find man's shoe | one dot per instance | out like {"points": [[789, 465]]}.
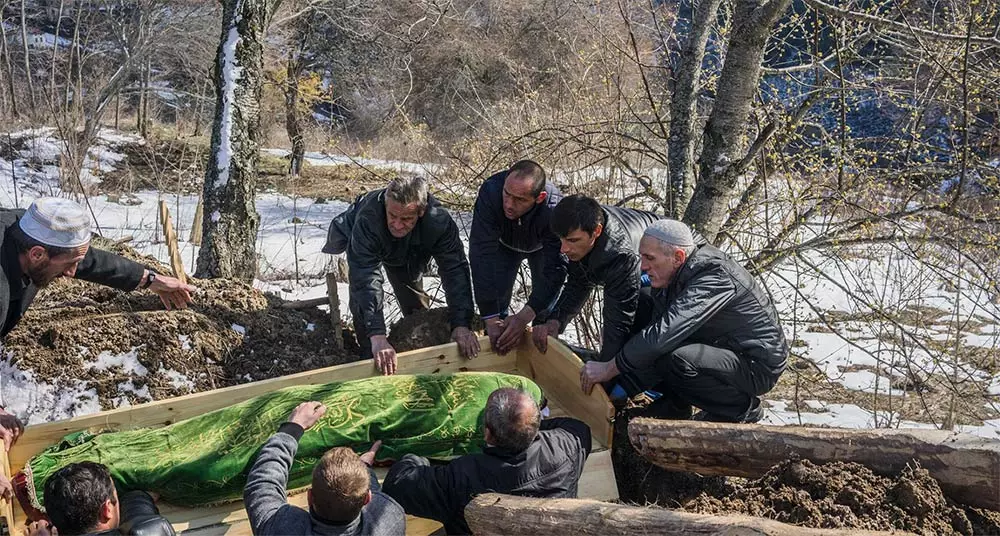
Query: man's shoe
{"points": [[752, 415]]}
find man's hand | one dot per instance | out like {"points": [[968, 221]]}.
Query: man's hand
{"points": [[595, 372], [494, 328], [384, 355], [6, 489], [369, 457], [540, 334], [514, 327], [468, 343], [307, 414], [10, 428], [173, 293], [41, 528]]}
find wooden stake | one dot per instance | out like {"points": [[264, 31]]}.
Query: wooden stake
{"points": [[333, 296], [492, 513], [967, 466], [196, 226], [171, 237]]}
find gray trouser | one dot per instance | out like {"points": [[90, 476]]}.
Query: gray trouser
{"points": [[408, 287]]}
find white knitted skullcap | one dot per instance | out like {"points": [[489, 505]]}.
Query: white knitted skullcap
{"points": [[671, 232], [57, 222]]}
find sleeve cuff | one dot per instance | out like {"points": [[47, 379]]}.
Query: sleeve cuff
{"points": [[292, 429]]}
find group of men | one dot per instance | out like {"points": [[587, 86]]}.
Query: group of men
{"points": [[702, 332], [683, 325]]}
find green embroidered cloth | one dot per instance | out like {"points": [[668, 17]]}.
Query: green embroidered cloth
{"points": [[206, 459]]}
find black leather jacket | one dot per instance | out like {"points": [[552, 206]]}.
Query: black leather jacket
{"points": [[550, 467], [139, 517], [362, 230], [614, 264], [491, 230], [712, 300]]}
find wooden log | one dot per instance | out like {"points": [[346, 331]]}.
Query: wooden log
{"points": [[333, 295], [171, 238], [305, 304], [493, 513], [967, 466]]}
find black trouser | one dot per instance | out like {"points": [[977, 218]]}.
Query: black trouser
{"points": [[509, 262], [714, 379], [408, 287]]}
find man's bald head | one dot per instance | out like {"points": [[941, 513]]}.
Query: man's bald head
{"points": [[512, 419]]}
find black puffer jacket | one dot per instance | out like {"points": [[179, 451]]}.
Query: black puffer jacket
{"points": [[614, 264], [362, 230], [491, 230], [16, 295], [715, 301], [550, 467]]}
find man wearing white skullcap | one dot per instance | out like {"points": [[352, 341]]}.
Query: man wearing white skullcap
{"points": [[714, 340], [49, 240]]}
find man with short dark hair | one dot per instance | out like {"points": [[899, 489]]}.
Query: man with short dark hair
{"points": [[511, 223], [81, 499], [344, 500], [602, 244], [49, 240], [523, 456], [714, 340], [400, 228]]}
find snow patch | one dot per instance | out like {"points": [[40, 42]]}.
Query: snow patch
{"points": [[239, 329], [36, 402], [128, 362], [178, 380]]}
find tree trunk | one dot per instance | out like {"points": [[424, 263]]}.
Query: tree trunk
{"points": [[967, 467], [27, 57], [293, 123], [684, 107], [14, 111], [230, 230], [727, 124], [146, 72], [493, 513]]}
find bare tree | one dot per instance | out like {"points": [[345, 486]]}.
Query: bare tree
{"points": [[230, 230]]}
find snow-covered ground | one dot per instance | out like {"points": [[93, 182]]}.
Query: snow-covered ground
{"points": [[293, 231]]}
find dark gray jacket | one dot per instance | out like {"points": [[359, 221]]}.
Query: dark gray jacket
{"points": [[362, 231], [614, 264], [17, 291], [550, 467], [529, 234], [268, 509], [715, 301]]}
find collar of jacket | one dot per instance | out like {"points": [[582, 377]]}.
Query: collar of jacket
{"points": [[508, 455], [333, 527]]}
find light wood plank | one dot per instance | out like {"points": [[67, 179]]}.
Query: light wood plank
{"points": [[558, 372]]}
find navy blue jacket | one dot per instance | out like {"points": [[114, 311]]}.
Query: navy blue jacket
{"points": [[531, 233]]}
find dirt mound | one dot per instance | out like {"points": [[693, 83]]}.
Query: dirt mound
{"points": [[232, 334], [847, 495], [424, 328]]}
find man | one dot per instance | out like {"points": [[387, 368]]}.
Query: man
{"points": [[344, 499], [602, 245], [523, 456], [81, 499], [49, 240], [511, 223], [715, 341], [400, 228]]}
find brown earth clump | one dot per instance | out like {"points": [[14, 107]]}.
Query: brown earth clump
{"points": [[232, 334], [848, 495]]}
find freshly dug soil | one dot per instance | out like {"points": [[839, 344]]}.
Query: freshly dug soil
{"points": [[424, 328], [848, 495], [232, 334]]}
